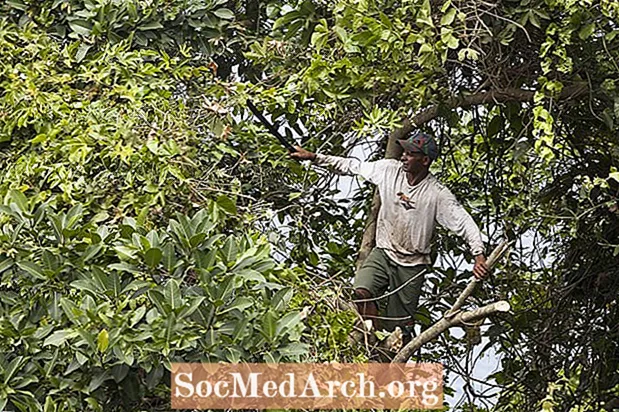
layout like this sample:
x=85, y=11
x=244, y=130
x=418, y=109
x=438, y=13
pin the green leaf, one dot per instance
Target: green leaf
x=6, y=264
x=225, y=14
x=125, y=252
x=33, y=269
x=81, y=27
x=137, y=316
x=153, y=256
x=227, y=204
x=586, y=31
x=239, y=303
x=288, y=322
x=59, y=337
x=17, y=4
x=82, y=51
x=19, y=199
x=449, y=17
x=172, y=294
x=269, y=326
x=294, y=349
x=197, y=239
x=103, y=341
x=158, y=300
x=195, y=304
x=98, y=380
x=169, y=257
x=91, y=252
x=230, y=250
x=281, y=298
x=86, y=285
x=12, y=368
x=151, y=25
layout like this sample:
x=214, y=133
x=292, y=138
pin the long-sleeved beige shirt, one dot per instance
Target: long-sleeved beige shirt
x=408, y=214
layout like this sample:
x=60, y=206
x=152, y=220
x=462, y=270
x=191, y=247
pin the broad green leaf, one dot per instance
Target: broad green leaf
x=169, y=257
x=197, y=239
x=81, y=27
x=33, y=269
x=59, y=337
x=91, y=252
x=281, y=298
x=585, y=32
x=151, y=25
x=153, y=256
x=17, y=4
x=227, y=204
x=6, y=264
x=137, y=316
x=269, y=325
x=230, y=250
x=54, y=306
x=86, y=285
x=49, y=406
x=158, y=300
x=103, y=341
x=288, y=322
x=12, y=368
x=98, y=380
x=240, y=303
x=172, y=294
x=225, y=14
x=189, y=310
x=125, y=252
x=449, y=17
x=294, y=349
x=18, y=198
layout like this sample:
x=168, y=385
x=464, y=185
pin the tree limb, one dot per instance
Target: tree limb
x=454, y=317
x=446, y=323
x=496, y=254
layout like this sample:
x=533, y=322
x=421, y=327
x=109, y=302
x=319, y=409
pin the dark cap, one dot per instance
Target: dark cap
x=420, y=142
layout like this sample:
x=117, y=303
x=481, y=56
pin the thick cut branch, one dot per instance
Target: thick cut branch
x=446, y=323
x=454, y=317
x=496, y=254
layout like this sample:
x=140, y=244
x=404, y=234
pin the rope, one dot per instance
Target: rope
x=393, y=291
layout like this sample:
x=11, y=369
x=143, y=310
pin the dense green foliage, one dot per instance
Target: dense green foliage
x=146, y=218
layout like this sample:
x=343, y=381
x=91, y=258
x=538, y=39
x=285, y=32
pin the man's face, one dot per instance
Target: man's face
x=414, y=162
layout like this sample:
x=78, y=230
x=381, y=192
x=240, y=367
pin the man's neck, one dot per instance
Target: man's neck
x=414, y=179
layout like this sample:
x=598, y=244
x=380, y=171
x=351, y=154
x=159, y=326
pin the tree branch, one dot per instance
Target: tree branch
x=446, y=323
x=453, y=317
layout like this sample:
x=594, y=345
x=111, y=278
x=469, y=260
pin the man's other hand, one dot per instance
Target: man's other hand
x=302, y=154
x=480, y=270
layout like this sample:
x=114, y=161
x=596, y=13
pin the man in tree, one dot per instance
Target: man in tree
x=412, y=201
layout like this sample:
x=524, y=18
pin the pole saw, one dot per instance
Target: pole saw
x=272, y=129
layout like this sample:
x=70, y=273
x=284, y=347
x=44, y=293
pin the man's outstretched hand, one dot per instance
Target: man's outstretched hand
x=302, y=154
x=480, y=270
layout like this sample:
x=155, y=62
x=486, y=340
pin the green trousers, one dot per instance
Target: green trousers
x=379, y=275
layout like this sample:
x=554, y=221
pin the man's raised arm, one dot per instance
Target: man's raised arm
x=371, y=171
